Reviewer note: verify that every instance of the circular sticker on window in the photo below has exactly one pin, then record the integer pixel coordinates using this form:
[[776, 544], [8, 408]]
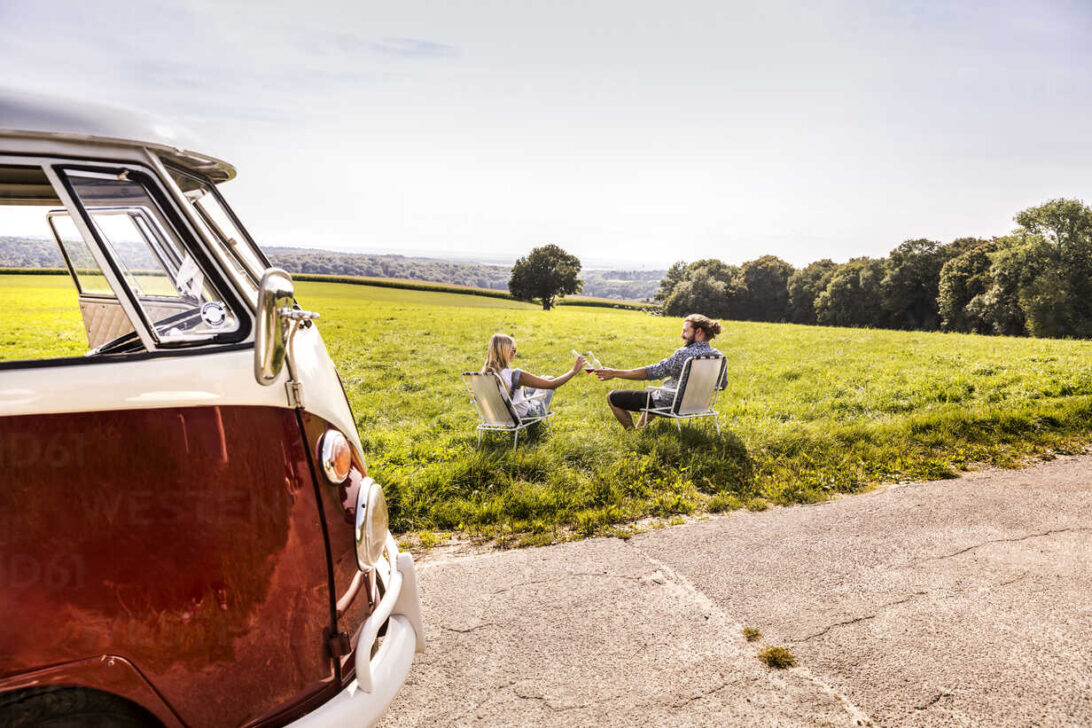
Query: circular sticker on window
[[214, 314]]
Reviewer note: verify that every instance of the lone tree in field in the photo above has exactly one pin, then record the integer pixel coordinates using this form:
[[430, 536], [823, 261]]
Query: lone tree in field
[[546, 273]]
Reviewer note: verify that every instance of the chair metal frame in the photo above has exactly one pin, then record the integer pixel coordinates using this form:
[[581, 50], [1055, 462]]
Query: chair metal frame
[[680, 393], [515, 423]]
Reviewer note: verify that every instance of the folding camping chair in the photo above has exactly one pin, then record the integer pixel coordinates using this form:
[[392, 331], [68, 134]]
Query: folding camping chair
[[489, 396], [696, 396]]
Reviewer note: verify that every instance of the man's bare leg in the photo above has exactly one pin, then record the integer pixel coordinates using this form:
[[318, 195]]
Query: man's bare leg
[[621, 415]]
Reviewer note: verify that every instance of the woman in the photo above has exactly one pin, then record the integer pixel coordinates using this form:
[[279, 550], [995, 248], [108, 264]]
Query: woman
[[521, 384]]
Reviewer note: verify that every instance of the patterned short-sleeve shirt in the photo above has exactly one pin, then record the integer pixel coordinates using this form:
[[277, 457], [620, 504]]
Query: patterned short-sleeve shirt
[[671, 368]]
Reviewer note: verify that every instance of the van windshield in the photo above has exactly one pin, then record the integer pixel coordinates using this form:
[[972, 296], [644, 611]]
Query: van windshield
[[224, 227]]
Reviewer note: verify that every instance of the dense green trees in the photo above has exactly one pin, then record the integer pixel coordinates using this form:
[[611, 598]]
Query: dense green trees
[[965, 279], [764, 289], [544, 274], [999, 307], [755, 291], [909, 286], [1036, 281], [1055, 289], [704, 286], [804, 287], [1066, 224], [852, 297], [675, 275]]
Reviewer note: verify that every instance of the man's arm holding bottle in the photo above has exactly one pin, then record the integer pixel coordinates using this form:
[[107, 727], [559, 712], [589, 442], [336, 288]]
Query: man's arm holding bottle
[[659, 370], [605, 374]]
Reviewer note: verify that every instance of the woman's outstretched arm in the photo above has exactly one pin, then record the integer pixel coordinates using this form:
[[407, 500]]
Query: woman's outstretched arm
[[530, 380]]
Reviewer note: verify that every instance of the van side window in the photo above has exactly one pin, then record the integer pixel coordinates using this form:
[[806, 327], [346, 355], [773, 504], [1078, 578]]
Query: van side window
[[174, 293], [84, 268]]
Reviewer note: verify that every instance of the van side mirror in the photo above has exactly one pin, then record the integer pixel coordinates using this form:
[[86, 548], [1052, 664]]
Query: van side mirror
[[271, 329]]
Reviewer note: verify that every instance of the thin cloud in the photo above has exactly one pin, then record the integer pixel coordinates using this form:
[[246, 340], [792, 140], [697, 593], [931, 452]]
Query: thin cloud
[[414, 48], [175, 74]]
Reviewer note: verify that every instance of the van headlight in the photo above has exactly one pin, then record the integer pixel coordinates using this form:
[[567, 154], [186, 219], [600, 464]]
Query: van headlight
[[371, 524]]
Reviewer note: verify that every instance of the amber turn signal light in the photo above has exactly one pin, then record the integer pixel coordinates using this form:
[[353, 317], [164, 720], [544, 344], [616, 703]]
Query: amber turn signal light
[[336, 455]]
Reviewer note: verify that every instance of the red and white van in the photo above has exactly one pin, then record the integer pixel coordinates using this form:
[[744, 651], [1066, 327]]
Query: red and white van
[[188, 536]]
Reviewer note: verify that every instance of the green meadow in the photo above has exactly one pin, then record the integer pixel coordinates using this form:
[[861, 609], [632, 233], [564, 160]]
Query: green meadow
[[809, 412]]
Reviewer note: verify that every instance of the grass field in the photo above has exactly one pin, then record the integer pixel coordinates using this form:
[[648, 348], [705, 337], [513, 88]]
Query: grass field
[[808, 412]]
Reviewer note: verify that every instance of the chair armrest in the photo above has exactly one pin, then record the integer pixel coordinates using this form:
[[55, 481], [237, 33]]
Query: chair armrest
[[660, 389]]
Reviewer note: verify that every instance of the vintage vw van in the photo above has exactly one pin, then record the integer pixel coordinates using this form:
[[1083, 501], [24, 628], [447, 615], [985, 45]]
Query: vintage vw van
[[188, 535]]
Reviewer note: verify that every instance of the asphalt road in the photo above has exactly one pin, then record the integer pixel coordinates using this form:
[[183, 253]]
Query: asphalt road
[[955, 603]]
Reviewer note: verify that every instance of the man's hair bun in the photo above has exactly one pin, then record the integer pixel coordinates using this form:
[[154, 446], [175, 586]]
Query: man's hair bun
[[708, 326]]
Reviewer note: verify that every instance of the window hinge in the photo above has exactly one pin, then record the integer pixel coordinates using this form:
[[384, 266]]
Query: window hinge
[[295, 393]]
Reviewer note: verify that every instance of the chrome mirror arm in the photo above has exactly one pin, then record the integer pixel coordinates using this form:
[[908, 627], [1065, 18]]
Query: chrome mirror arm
[[292, 320]]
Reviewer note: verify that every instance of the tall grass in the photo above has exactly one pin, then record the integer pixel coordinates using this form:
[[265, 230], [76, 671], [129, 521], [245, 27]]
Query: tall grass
[[808, 412]]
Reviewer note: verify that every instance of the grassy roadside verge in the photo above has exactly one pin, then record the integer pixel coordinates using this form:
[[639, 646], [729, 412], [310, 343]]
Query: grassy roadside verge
[[575, 486]]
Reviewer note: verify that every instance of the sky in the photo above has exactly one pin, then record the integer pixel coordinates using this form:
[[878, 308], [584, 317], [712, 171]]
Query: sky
[[627, 132]]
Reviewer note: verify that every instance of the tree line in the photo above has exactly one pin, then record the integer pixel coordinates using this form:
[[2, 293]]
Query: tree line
[[632, 285], [1035, 281]]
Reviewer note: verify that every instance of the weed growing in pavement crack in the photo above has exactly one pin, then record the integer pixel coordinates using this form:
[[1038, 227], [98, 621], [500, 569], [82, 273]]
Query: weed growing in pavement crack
[[778, 658]]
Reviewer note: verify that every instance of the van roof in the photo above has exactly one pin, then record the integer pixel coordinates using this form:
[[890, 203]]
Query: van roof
[[31, 115]]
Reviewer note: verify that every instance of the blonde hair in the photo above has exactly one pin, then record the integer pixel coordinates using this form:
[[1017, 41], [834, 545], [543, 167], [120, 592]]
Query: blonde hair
[[502, 348]]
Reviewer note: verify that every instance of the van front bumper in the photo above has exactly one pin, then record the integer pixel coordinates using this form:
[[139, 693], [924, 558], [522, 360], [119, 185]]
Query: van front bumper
[[379, 676]]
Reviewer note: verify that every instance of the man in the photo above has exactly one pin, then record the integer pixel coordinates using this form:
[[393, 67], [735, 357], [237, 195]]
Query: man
[[697, 332]]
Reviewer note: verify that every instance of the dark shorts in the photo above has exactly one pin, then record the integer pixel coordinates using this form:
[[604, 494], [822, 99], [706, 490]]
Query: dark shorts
[[633, 400]]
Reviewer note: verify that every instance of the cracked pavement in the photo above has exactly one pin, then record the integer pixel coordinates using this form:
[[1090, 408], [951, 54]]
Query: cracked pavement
[[963, 602]]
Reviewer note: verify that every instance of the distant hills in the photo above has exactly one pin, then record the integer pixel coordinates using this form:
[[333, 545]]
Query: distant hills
[[29, 253], [629, 285]]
